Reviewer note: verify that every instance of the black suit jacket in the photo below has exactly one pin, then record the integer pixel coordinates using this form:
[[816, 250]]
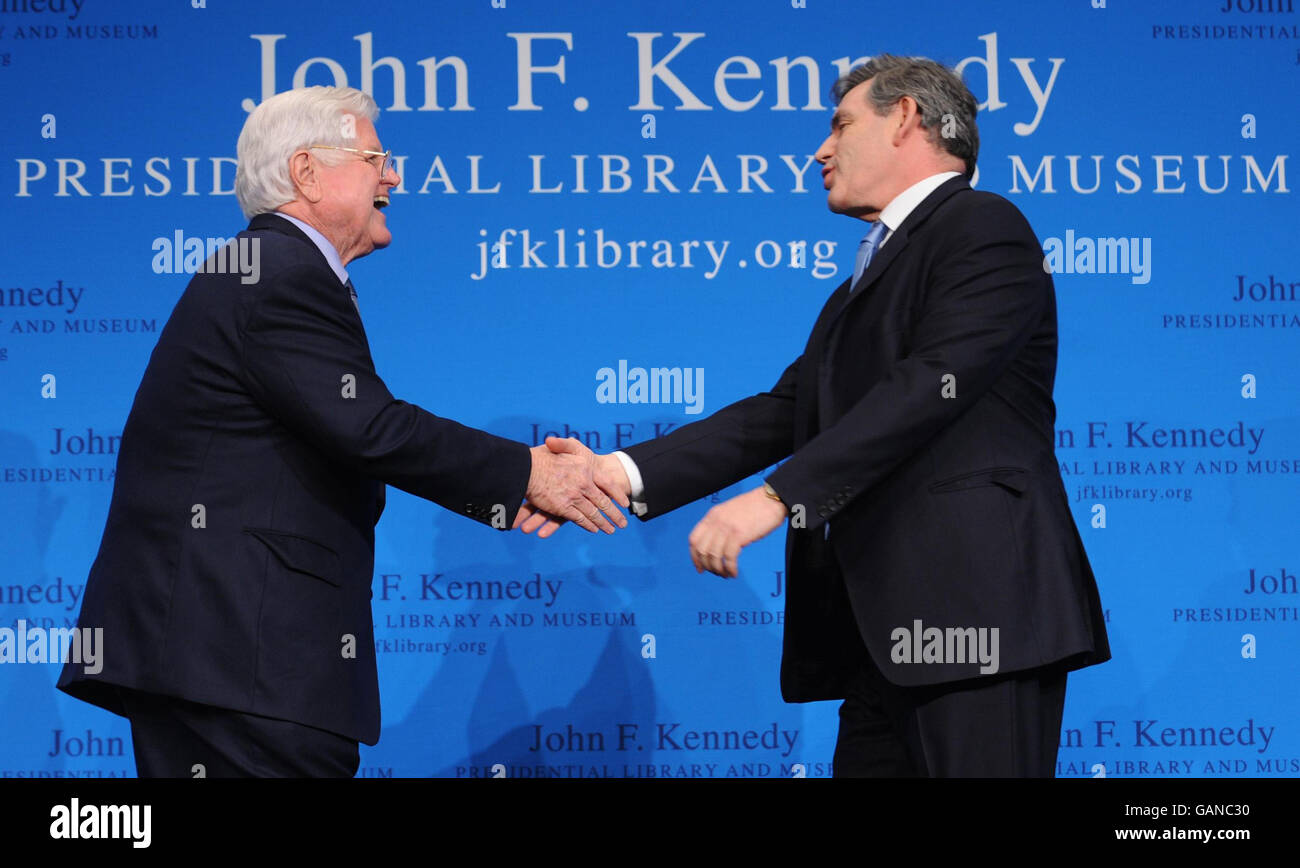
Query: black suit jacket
[[919, 422], [236, 563]]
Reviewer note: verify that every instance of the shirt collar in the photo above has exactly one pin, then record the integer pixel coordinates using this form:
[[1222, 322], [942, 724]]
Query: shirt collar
[[905, 202], [327, 250]]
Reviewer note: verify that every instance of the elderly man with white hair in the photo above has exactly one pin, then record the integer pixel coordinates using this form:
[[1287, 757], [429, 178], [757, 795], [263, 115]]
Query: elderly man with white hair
[[233, 580]]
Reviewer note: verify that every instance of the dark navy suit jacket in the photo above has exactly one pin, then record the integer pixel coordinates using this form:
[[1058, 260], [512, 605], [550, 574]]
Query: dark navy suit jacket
[[236, 563], [919, 422]]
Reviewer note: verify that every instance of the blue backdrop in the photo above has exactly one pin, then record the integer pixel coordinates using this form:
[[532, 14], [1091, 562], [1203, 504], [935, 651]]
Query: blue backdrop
[[1149, 144]]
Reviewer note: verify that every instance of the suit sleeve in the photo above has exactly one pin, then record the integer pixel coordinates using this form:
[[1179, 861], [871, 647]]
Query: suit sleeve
[[988, 295], [306, 361], [702, 457]]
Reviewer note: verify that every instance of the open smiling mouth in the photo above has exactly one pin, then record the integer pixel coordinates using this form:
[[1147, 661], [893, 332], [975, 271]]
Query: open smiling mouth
[[381, 202]]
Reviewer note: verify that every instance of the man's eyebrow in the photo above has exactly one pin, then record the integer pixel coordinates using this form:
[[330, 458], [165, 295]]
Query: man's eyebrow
[[840, 114]]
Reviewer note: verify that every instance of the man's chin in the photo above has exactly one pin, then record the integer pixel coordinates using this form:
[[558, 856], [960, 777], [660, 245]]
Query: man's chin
[[375, 244], [841, 208], [837, 204], [862, 212]]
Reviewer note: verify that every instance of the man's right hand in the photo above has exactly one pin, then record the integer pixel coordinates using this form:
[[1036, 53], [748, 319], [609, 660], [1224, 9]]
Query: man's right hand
[[569, 482]]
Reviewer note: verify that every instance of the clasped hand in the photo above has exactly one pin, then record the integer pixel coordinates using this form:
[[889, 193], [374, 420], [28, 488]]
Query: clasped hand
[[715, 542], [569, 482]]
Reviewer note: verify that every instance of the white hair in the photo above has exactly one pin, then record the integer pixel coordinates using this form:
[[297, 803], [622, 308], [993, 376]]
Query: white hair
[[285, 123]]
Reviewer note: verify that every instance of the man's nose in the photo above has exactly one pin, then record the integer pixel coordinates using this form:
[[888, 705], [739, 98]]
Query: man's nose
[[824, 151]]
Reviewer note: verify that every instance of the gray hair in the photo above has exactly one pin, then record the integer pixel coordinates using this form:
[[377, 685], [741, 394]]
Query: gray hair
[[947, 105], [283, 124]]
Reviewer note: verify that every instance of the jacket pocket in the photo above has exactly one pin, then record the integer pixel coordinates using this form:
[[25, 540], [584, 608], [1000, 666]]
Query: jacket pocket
[[1013, 479], [300, 554]]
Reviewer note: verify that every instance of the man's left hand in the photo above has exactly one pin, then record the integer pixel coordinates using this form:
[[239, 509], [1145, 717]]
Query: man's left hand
[[728, 527]]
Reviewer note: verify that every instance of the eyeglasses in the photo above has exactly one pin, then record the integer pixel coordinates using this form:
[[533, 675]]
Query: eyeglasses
[[384, 166]]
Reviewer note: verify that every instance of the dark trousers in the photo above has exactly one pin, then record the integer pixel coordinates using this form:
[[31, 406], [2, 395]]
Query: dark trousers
[[999, 726], [174, 738], [1004, 725]]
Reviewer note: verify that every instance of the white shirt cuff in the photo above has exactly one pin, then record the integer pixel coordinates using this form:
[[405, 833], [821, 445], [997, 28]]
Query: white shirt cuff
[[634, 479]]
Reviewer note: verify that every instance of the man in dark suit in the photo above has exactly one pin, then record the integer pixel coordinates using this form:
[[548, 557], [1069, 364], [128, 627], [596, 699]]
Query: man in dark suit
[[233, 579], [936, 581]]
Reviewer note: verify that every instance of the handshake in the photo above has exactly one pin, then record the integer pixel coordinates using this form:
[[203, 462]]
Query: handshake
[[569, 482]]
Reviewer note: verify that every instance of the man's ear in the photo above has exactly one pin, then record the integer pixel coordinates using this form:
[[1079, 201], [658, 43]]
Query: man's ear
[[907, 115], [306, 180]]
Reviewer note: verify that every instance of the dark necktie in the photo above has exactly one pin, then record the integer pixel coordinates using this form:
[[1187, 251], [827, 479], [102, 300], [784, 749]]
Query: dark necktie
[[353, 293]]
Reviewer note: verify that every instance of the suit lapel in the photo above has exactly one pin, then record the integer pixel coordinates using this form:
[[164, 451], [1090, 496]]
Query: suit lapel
[[276, 223], [897, 242], [812, 374]]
